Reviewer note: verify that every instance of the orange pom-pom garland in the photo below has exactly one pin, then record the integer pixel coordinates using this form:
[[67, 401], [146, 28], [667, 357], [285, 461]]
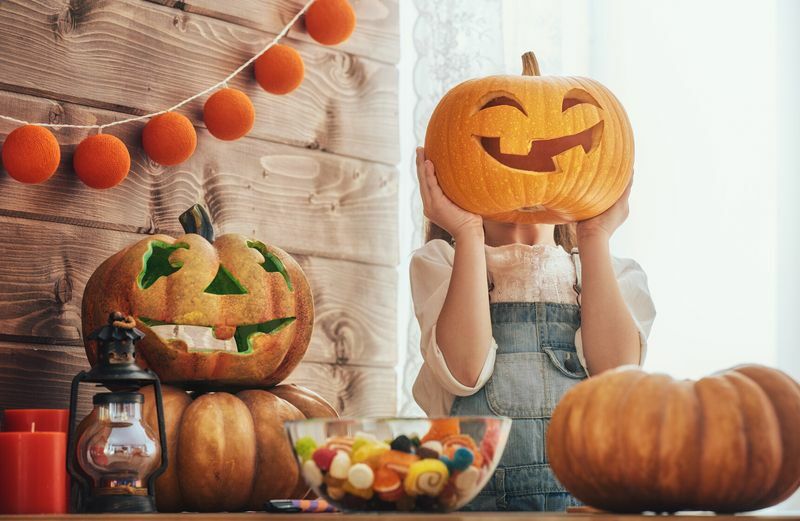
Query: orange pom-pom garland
[[101, 161], [280, 70], [31, 154], [169, 139], [229, 114], [330, 22]]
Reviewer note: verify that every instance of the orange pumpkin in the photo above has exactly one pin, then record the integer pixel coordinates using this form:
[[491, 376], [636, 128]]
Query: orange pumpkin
[[531, 149], [628, 441], [233, 312], [229, 452]]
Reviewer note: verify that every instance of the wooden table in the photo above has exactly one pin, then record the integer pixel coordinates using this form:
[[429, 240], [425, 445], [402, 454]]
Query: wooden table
[[489, 516]]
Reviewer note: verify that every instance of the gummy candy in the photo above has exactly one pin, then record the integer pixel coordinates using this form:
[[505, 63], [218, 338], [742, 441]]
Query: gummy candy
[[323, 457], [312, 474], [340, 465], [442, 428], [361, 476], [305, 447], [461, 460]]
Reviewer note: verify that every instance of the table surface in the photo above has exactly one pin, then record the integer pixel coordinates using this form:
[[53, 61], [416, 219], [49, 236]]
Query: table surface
[[490, 516]]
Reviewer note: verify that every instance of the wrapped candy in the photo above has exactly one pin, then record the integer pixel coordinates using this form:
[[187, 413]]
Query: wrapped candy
[[426, 477]]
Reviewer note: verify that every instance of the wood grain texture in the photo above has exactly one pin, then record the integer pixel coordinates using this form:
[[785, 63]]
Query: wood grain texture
[[376, 35], [35, 376], [137, 57], [46, 266], [353, 391], [303, 201]]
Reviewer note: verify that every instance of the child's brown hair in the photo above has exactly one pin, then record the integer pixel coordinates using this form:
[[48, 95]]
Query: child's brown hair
[[564, 234]]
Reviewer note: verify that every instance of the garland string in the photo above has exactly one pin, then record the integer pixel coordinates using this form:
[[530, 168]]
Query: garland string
[[180, 104]]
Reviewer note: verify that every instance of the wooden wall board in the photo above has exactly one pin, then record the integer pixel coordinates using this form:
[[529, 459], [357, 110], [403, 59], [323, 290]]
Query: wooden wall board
[[136, 57], [303, 201], [46, 266], [376, 36], [39, 376]]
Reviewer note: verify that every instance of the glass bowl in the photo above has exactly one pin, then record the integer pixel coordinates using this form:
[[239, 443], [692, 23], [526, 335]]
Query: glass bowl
[[398, 464]]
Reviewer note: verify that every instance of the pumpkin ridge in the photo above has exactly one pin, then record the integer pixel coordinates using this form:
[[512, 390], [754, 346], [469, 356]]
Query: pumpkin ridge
[[763, 415]]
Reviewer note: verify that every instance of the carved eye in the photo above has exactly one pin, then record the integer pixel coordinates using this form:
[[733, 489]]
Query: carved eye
[[501, 99], [576, 97]]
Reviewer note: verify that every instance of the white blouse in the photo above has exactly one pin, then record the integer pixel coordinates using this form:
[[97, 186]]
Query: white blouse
[[517, 273]]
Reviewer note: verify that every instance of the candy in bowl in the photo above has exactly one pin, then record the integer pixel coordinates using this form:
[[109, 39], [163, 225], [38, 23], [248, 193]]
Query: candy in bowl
[[399, 464]]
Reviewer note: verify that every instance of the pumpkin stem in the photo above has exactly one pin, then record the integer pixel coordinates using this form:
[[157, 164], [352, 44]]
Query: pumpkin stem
[[196, 220], [530, 65]]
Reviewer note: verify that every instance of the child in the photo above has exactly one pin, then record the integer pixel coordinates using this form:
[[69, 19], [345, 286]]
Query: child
[[510, 320]]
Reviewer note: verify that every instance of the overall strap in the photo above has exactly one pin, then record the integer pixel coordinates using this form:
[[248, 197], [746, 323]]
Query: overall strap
[[576, 260]]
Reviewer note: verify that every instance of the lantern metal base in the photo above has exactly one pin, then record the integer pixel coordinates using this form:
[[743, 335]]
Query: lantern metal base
[[119, 504]]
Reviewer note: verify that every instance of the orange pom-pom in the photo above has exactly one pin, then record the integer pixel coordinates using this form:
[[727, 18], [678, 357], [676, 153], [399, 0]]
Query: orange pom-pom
[[101, 161], [330, 22], [31, 154], [169, 138], [229, 114], [280, 70]]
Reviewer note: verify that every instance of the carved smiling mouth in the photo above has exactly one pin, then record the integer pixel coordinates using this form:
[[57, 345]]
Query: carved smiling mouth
[[205, 338], [540, 158]]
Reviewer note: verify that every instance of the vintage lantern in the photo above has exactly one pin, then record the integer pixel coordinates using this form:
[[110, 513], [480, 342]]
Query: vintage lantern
[[116, 457]]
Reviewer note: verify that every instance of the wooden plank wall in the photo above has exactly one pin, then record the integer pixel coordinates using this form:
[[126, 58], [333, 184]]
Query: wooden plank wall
[[316, 176]]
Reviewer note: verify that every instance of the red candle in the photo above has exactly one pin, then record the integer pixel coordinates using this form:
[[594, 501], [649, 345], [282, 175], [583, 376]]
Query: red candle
[[39, 420], [33, 476]]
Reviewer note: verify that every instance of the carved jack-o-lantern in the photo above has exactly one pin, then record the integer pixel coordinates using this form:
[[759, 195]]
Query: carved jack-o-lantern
[[234, 311], [531, 149]]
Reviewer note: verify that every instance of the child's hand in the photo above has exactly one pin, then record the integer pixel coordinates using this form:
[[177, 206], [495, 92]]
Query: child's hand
[[607, 222], [438, 208]]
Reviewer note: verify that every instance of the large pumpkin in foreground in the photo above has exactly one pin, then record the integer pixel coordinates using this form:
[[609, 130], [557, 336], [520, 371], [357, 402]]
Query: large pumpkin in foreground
[[230, 452], [531, 149], [234, 311], [628, 441]]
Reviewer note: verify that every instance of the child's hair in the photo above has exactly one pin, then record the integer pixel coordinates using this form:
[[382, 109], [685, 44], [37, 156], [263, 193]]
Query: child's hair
[[564, 234]]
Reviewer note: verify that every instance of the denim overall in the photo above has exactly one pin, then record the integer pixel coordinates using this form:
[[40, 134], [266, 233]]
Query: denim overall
[[536, 364]]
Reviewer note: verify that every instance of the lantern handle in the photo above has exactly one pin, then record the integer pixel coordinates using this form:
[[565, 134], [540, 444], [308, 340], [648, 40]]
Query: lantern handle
[[196, 220], [162, 437], [530, 65], [80, 480]]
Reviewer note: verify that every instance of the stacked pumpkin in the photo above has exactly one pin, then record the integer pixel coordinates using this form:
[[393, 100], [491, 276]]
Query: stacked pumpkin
[[226, 320], [628, 441]]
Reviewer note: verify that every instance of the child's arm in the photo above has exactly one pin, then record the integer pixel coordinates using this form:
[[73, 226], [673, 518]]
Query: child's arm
[[464, 328], [609, 333]]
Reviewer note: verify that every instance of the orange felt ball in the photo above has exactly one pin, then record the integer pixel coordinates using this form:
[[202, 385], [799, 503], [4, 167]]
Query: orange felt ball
[[169, 138], [280, 70], [330, 22], [101, 161], [31, 154], [229, 114]]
